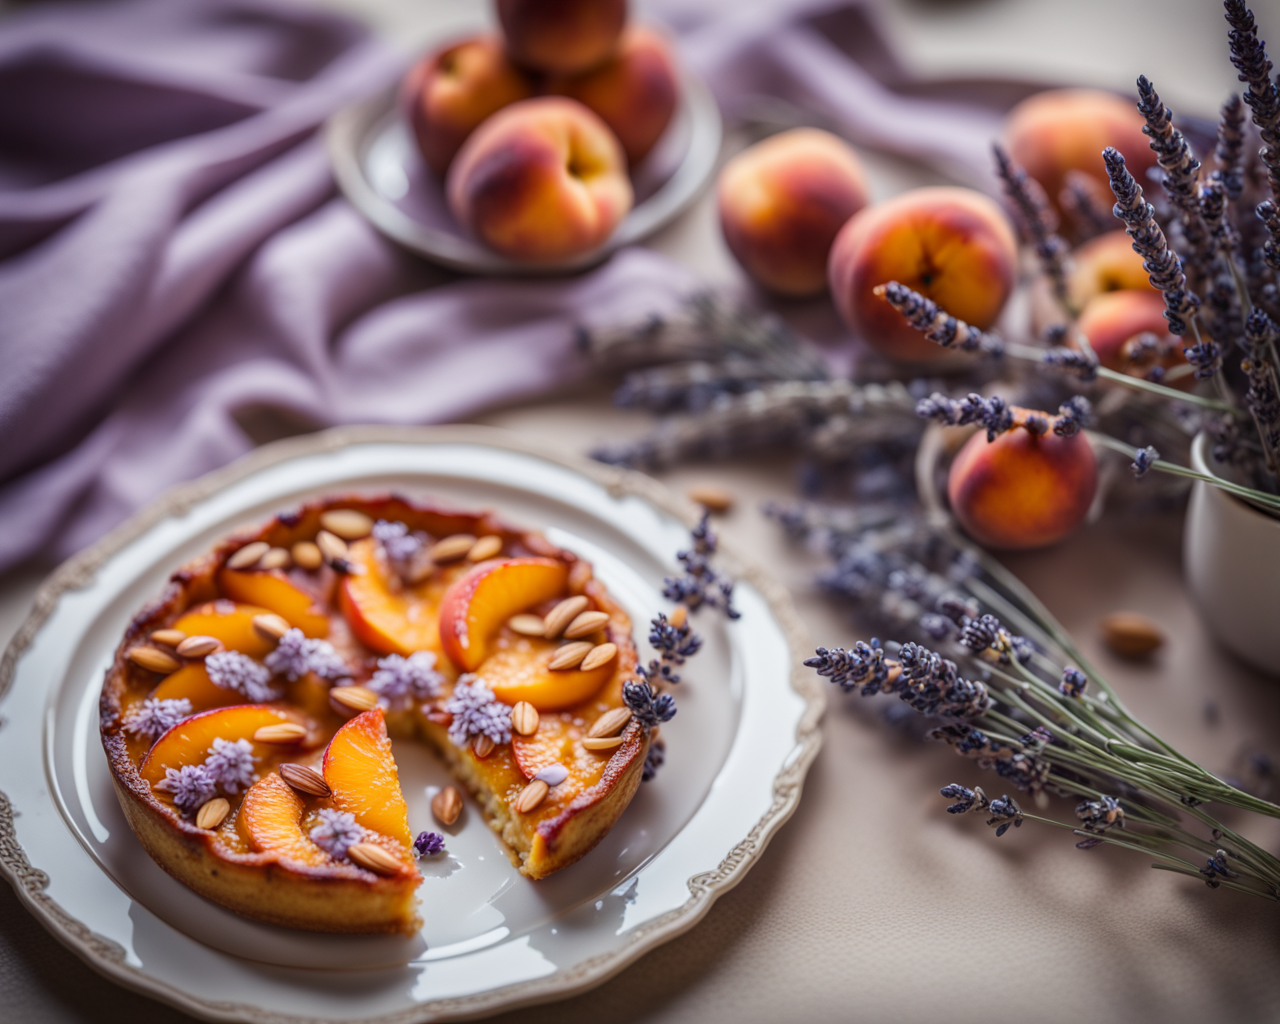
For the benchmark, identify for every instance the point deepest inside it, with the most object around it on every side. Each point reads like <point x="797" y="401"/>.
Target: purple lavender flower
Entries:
<point x="477" y="712"/>
<point x="653" y="760"/>
<point x="933" y="686"/>
<point x="1083" y="365"/>
<point x="235" y="671"/>
<point x="230" y="765"/>
<point x="966" y="799"/>
<point x="297" y="654"/>
<point x="1073" y="416"/>
<point x="428" y="844"/>
<point x="153" y="718"/>
<point x="936" y="324"/>
<point x="1181" y="169"/>
<point x="863" y="666"/>
<point x="1143" y="461"/>
<point x="1038" y="220"/>
<point x="337" y="832"/>
<point x="701" y="584"/>
<point x="400" y="679"/>
<point x="1269" y="213"/>
<point x="1037" y="739"/>
<point x="1249" y="55"/>
<point x="1215" y="868"/>
<point x="192" y="786"/>
<point x="1101" y="814"/>
<point x="648" y="707"/>
<point x="1073" y="682"/>
<point x="399" y="544"/>
<point x="1005" y="812"/>
<point x="993" y="413"/>
<point x="1230" y="148"/>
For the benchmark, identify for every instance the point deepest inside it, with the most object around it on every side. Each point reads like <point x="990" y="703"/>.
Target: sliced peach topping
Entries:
<point x="557" y="742"/>
<point x="361" y="771"/>
<point x="229" y="622"/>
<point x="274" y="592"/>
<point x="271" y="820"/>
<point x="476" y="605"/>
<point x="189" y="741"/>
<point x="193" y="682"/>
<point x="384" y="615"/>
<point x="517" y="670"/>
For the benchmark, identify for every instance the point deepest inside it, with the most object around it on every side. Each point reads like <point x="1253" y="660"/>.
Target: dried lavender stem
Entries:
<point x="1039" y="221"/>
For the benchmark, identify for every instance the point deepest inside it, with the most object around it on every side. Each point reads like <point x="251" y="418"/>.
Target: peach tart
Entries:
<point x="249" y="711"/>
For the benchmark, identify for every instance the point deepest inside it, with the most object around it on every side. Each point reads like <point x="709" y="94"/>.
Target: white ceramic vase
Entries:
<point x="1231" y="557"/>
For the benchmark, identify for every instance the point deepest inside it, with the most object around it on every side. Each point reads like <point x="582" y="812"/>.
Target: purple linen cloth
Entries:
<point x="175" y="269"/>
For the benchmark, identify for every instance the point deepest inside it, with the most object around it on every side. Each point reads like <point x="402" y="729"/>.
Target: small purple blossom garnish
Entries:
<point x="1073" y="682"/>
<point x="648" y="707"/>
<point x="337" y="832"/>
<point x="230" y="765"/>
<point x="1005" y="812"/>
<point x="477" y="712"/>
<point x="553" y="774"/>
<point x="966" y="799"/>
<point x="1143" y="460"/>
<point x="400" y="679"/>
<point x="428" y="844"/>
<point x="153" y="718"/>
<point x="297" y="654"/>
<point x="192" y="786"/>
<point x="701" y="584"/>
<point x="397" y="542"/>
<point x="235" y="671"/>
<point x="992" y="413"/>
<point x="653" y="760"/>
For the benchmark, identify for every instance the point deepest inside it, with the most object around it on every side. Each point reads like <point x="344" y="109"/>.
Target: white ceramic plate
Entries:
<point x="377" y="166"/>
<point x="737" y="752"/>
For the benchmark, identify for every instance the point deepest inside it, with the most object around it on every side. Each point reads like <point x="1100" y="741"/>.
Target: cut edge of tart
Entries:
<point x="304" y="824"/>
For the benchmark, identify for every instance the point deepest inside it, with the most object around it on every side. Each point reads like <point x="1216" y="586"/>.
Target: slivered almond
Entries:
<point x="284" y="733"/>
<point x="526" y="624"/>
<point x="570" y="655"/>
<point x="168" y="637"/>
<point x="373" y="858"/>
<point x="270" y="626"/>
<point x="679" y="616"/>
<point x="153" y="660"/>
<point x="248" y="555"/>
<point x="531" y="796"/>
<point x="276" y="558"/>
<point x="525" y="718"/>
<point x="586" y="624"/>
<point x="483" y="746"/>
<point x="447" y="805"/>
<point x="212" y="813"/>
<point x="347" y="523"/>
<point x="610" y="723"/>
<point x="714" y="499"/>
<point x="602" y="742"/>
<point x="199" y="646"/>
<point x="452" y="548"/>
<point x="331" y="546"/>
<point x="599" y="656"/>
<point x="1127" y="633"/>
<point x="352" y="700"/>
<point x="562" y="614"/>
<point x="305" y="779"/>
<point x="485" y="547"/>
<point x="306" y="555"/>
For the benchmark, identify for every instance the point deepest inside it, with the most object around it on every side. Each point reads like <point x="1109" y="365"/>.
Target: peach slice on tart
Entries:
<point x="274" y="591"/>
<point x="517" y="670"/>
<point x="361" y="772"/>
<point x="192" y="683"/>
<point x="270" y="820"/>
<point x="478" y="603"/>
<point x="385" y="614"/>
<point x="230" y="623"/>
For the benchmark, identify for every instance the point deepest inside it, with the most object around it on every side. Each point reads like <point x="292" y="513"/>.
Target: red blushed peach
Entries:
<point x="952" y="245"/>
<point x="561" y="37"/>
<point x="635" y="91"/>
<point x="1112" y="322"/>
<point x="1106" y="264"/>
<point x="449" y="93"/>
<point x="782" y="203"/>
<point x="1062" y="130"/>
<point x="1022" y="490"/>
<point x="540" y="181"/>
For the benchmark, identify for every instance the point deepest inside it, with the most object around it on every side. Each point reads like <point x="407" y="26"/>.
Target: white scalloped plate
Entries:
<point x="737" y="753"/>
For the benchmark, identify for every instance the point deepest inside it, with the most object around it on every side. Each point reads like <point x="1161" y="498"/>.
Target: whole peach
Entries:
<point x="783" y="201"/>
<point x="541" y="180"/>
<point x="1113" y="322"/>
<point x="953" y="245"/>
<point x="634" y="91"/>
<point x="561" y="37"/>
<point x="1022" y="490"/>
<point x="1106" y="263"/>
<point x="1062" y="130"/>
<point x="448" y="93"/>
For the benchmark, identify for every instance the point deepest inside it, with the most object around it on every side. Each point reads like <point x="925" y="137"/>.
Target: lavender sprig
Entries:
<point x="1249" y="55"/>
<point x="297" y="654"/>
<point x="992" y="413"/>
<point x="232" y="670"/>
<point x="649" y="708"/>
<point x="398" y="543"/>
<point x="1269" y="214"/>
<point x="428" y="844"/>
<point x="1181" y="170"/>
<point x="230" y="764"/>
<point x="653" y="760"/>
<point x="153" y="718"/>
<point x="401" y="680"/>
<point x="701" y="585"/>
<point x="1038" y="220"/>
<point x="477" y="712"/>
<point x="674" y="644"/>
<point x="1229" y="152"/>
<point x="936" y="324"/>
<point x="337" y="832"/>
<point x="192" y="787"/>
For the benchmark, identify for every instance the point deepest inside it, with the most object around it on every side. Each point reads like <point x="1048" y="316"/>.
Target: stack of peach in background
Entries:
<point x="534" y="131"/>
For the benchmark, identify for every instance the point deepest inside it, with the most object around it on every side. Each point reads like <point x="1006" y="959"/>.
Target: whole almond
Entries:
<point x="524" y="718"/>
<point x="679" y="616"/>
<point x="331" y="546"/>
<point x="248" y="555"/>
<point x="347" y="523"/>
<point x="485" y="547"/>
<point x="352" y="700"/>
<point x="452" y="548"/>
<point x="599" y="656"/>
<point x="284" y="733"/>
<point x="526" y="624"/>
<point x="570" y="655"/>
<point x="276" y="558"/>
<point x="586" y="624"/>
<point x="199" y="646"/>
<point x="531" y="796"/>
<point x="447" y="805"/>
<point x="168" y="637"/>
<point x="602" y="742"/>
<point x="305" y="779"/>
<point x="714" y="499"/>
<point x="212" y="813"/>
<point x="306" y="555"/>
<point x="153" y="660"/>
<point x="270" y="626"/>
<point x="557" y="620"/>
<point x="610" y="723"/>
<point x="373" y="858"/>
<point x="483" y="746"/>
<point x="1131" y="635"/>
